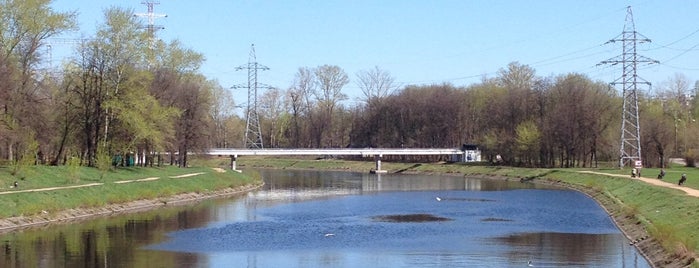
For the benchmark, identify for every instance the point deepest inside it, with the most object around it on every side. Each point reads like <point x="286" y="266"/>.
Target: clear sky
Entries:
<point x="418" y="41"/>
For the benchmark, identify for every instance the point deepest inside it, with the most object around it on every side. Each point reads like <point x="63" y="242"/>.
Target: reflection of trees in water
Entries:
<point x="104" y="242"/>
<point x="300" y="179"/>
<point x="314" y="179"/>
<point x="562" y="248"/>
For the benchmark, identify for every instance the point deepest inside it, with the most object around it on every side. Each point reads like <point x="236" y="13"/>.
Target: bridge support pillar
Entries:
<point x="378" y="170"/>
<point x="233" y="163"/>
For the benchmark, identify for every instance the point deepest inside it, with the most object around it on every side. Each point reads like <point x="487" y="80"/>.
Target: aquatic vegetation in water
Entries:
<point x="410" y="218"/>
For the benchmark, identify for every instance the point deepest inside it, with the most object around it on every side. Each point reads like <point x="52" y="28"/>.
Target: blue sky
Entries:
<point x="418" y="41"/>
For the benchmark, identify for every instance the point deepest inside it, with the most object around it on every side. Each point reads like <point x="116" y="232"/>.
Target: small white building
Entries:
<point x="471" y="153"/>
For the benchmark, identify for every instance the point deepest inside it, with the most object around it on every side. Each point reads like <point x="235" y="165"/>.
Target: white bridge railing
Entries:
<point x="341" y="151"/>
<point x="377" y="153"/>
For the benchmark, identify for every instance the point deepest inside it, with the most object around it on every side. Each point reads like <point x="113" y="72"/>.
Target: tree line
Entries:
<point x="567" y="120"/>
<point x="123" y="92"/>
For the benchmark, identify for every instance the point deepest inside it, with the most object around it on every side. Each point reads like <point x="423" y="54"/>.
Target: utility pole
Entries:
<point x="630" y="128"/>
<point x="253" y="132"/>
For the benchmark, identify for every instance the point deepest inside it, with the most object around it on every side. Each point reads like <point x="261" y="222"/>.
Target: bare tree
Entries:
<point x="677" y="104"/>
<point x="330" y="79"/>
<point x="222" y="110"/>
<point x="302" y="104"/>
<point x="375" y="83"/>
<point x="271" y="110"/>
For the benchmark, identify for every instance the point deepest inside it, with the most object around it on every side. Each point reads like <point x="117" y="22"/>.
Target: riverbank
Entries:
<point x="659" y="221"/>
<point x="75" y="214"/>
<point x="45" y="196"/>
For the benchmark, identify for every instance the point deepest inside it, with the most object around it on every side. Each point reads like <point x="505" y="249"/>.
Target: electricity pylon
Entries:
<point x="630" y="128"/>
<point x="51" y="42"/>
<point x="253" y="132"/>
<point x="151" y="15"/>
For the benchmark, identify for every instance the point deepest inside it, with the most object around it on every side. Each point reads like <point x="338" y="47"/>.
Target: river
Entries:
<point x="342" y="219"/>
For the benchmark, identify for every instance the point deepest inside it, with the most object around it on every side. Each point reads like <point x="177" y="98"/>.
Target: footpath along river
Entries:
<point x="340" y="219"/>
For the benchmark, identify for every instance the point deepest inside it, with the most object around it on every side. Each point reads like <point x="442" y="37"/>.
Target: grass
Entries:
<point x="36" y="177"/>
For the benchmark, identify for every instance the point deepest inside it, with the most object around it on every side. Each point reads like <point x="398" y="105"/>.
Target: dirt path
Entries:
<point x="51" y="188"/>
<point x="653" y="181"/>
<point x="99" y="183"/>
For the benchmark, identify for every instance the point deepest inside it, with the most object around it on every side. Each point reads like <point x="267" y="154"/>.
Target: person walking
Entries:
<point x="682" y="179"/>
<point x="661" y="175"/>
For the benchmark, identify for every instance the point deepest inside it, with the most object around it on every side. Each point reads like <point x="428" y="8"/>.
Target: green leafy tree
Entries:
<point x="528" y="141"/>
<point x="25" y="25"/>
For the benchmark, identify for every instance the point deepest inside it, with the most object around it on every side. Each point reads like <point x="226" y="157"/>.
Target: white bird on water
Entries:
<point x="438" y="199"/>
<point x="529" y="263"/>
<point x="328" y="235"/>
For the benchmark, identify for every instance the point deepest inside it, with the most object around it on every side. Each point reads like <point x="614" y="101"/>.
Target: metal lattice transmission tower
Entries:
<point x="253" y="132"/>
<point x="50" y="43"/>
<point x="151" y="27"/>
<point x="629" y="59"/>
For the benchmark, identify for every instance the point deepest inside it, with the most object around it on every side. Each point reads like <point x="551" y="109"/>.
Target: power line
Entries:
<point x="675" y="42"/>
<point x="682" y="53"/>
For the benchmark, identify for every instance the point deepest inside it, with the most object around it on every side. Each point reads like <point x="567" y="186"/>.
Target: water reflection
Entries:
<point x="581" y="250"/>
<point x="492" y="223"/>
<point x="105" y="242"/>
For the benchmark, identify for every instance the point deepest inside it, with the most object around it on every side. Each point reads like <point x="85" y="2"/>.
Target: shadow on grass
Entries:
<point x="408" y="168"/>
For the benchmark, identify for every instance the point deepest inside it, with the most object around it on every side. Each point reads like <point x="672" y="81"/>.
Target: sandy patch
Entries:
<point x="52" y="188"/>
<point x="187" y="175"/>
<point x="139" y="180"/>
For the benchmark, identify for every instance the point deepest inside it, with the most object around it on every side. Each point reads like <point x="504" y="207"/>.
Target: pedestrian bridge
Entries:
<point x="377" y="153"/>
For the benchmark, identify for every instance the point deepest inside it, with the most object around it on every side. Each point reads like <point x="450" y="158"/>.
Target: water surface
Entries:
<point x="337" y="219"/>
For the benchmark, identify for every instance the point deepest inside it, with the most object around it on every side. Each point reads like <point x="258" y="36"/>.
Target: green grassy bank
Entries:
<point x="106" y="189"/>
<point x="663" y="221"/>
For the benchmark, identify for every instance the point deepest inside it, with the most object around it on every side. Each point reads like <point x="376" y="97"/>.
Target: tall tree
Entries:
<point x="303" y="106"/>
<point x="124" y="44"/>
<point x="675" y="93"/>
<point x="221" y="112"/>
<point x="194" y="127"/>
<point x="111" y="78"/>
<point x="657" y="133"/>
<point x="330" y="80"/>
<point x="272" y="110"/>
<point x="580" y="113"/>
<point x="24" y="28"/>
<point x="375" y="83"/>
<point x="519" y="82"/>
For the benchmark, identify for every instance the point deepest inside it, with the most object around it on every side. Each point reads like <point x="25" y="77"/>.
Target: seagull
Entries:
<point x="529" y="263"/>
<point x="329" y="235"/>
<point x="438" y="199"/>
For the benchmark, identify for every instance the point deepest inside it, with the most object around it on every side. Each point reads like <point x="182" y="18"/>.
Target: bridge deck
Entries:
<point x="341" y="151"/>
